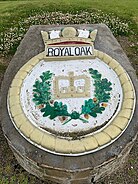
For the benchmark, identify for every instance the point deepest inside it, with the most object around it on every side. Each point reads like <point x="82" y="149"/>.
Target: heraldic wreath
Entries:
<point x="53" y="109"/>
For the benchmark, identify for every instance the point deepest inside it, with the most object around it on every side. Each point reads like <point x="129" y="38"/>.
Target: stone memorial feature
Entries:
<point x="68" y="102"/>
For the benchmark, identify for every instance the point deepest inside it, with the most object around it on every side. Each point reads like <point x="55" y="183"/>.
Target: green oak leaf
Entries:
<point x="42" y="95"/>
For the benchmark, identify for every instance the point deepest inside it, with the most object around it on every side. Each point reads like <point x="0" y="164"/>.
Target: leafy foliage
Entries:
<point x="41" y="89"/>
<point x="58" y="109"/>
<point x="102" y="94"/>
<point x="12" y="31"/>
<point x="42" y="96"/>
<point x="102" y="86"/>
<point x="92" y="108"/>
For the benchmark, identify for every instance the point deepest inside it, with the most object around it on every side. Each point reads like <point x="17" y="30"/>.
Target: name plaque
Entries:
<point x="70" y="51"/>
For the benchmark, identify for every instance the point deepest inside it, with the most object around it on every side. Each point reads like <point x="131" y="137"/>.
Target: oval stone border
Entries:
<point x="61" y="146"/>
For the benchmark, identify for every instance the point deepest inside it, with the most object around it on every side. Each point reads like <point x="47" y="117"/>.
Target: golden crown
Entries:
<point x="69" y="35"/>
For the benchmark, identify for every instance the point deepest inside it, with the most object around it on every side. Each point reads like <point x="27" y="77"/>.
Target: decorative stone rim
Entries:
<point x="61" y="146"/>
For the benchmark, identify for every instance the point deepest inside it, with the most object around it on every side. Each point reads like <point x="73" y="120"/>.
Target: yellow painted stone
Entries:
<point x="127" y="87"/>
<point x="77" y="146"/>
<point x="37" y="58"/>
<point x="33" y="61"/>
<point x="106" y="58"/>
<point x="69" y="32"/>
<point x="16" y="82"/>
<point x="100" y="55"/>
<point x="112" y="130"/>
<point x="21" y="74"/>
<point x="113" y="64"/>
<point x="89" y="143"/>
<point x="96" y="52"/>
<point x="20" y="119"/>
<point x="102" y="138"/>
<point x="128" y="104"/>
<point x="62" y="146"/>
<point x="27" y="128"/>
<point x="129" y="94"/>
<point x="14" y="100"/>
<point x="37" y="135"/>
<point x="119" y="70"/>
<point x="125" y="113"/>
<point x="27" y="67"/>
<point x="123" y="78"/>
<point x="121" y="122"/>
<point x="14" y="91"/>
<point x="93" y="34"/>
<point x="44" y="35"/>
<point x="48" y="142"/>
<point x="15" y="110"/>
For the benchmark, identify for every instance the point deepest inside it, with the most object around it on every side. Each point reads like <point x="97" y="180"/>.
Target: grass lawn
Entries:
<point x="125" y="8"/>
<point x="14" y="15"/>
<point x="13" y="10"/>
<point x="13" y="18"/>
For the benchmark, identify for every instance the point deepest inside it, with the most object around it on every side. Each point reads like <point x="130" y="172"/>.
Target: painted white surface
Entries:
<point x="54" y="34"/>
<point x="79" y="67"/>
<point x="83" y="33"/>
<point x="69" y="51"/>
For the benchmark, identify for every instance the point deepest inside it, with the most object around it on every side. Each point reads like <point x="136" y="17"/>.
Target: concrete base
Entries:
<point x="84" y="169"/>
<point x="78" y="176"/>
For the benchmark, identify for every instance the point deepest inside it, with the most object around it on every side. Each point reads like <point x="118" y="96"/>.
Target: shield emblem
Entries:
<point x="69" y="90"/>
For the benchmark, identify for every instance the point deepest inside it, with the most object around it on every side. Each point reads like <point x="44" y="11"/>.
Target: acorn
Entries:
<point x="104" y="104"/>
<point x="94" y="99"/>
<point x="62" y="118"/>
<point x="51" y="101"/>
<point x="41" y="106"/>
<point x="86" y="116"/>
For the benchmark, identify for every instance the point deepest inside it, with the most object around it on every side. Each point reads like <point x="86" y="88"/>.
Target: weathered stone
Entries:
<point x="81" y="181"/>
<point x="47" y="166"/>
